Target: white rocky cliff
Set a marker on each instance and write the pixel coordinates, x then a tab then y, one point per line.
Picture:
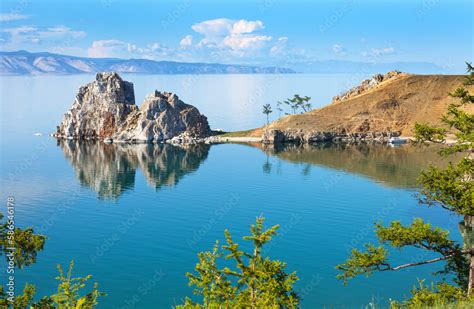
105	110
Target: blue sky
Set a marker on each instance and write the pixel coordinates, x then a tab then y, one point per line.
258	32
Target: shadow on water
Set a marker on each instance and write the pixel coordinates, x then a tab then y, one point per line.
398	166
109	169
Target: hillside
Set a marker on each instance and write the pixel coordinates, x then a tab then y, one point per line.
392	105
25	63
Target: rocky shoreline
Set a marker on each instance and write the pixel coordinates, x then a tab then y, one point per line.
274	136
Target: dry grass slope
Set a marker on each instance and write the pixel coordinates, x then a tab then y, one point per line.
393	106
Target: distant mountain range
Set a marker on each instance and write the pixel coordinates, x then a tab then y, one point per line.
368	68
25	63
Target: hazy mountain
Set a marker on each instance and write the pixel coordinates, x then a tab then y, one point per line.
360	67
23	62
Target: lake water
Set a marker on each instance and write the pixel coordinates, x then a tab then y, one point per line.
135	216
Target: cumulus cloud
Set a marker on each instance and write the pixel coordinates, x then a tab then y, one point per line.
245	26
280	46
378	52
186	41
246	42
23	36
214	27
12	17
214	40
236	37
120	49
107	49
339	49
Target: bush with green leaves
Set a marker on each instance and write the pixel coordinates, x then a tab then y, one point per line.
27	244
255	282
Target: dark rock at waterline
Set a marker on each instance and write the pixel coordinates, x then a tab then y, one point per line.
274	136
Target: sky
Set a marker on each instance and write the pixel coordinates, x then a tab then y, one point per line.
264	32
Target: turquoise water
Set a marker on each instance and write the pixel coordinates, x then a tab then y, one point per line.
136	216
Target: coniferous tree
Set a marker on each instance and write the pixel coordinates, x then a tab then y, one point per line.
255	282
451	188
27	245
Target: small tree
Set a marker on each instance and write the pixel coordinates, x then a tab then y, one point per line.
267	110
256	282
452	189
279	108
25	242
67	297
297	102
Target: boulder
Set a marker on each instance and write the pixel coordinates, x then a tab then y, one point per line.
273	137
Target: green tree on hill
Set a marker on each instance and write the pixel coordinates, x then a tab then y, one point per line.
451	188
267	110
280	108
299	103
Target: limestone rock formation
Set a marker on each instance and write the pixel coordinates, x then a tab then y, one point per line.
105	110
161	117
100	108
367	85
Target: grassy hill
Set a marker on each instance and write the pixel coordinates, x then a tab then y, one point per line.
393	105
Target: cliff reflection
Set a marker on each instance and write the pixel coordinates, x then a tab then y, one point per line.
393	166
109	169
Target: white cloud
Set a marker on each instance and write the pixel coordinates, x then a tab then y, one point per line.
246	42
22	36
378	52
245	26
234	37
187	41
279	47
12	17
214	27
120	49
108	49
339	49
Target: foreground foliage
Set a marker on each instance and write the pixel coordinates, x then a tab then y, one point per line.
255	282
451	188
27	244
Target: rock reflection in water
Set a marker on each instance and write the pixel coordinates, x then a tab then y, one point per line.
109	169
392	166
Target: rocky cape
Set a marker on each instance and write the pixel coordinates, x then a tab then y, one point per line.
379	108
105	110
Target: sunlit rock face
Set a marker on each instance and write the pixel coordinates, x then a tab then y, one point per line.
110	169
105	110
99	110
161	117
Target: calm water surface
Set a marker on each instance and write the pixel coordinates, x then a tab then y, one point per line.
136	216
